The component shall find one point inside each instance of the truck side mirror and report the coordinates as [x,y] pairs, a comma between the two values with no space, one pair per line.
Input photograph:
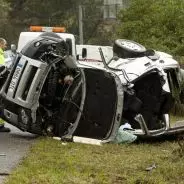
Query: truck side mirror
[13,48]
[84,52]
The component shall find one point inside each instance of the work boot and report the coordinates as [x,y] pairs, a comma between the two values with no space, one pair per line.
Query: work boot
[4,129]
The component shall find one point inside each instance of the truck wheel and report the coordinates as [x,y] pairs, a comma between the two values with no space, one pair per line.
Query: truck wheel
[128,49]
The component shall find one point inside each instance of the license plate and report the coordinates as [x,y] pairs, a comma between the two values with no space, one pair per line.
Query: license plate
[15,78]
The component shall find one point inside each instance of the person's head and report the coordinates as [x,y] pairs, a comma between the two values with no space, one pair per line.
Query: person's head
[3,43]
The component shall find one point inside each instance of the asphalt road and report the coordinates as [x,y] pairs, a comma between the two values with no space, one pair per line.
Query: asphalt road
[13,147]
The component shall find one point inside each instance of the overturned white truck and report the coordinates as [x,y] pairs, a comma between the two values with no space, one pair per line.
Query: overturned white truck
[48,92]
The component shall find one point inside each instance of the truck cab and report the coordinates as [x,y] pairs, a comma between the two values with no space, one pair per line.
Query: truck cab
[35,31]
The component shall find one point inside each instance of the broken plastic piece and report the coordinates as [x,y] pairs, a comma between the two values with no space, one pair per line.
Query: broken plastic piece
[124,137]
[151,167]
[87,140]
[125,126]
[57,138]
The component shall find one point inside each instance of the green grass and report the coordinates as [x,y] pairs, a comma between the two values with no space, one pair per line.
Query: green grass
[174,119]
[51,162]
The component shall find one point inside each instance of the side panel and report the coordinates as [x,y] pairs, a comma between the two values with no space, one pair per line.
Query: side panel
[100,115]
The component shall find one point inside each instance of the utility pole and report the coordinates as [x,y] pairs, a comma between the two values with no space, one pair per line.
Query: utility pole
[81,39]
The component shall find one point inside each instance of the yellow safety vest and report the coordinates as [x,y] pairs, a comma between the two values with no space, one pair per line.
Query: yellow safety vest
[2,62]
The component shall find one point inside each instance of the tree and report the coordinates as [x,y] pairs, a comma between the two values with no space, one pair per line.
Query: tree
[155,24]
[4,10]
[55,13]
[44,13]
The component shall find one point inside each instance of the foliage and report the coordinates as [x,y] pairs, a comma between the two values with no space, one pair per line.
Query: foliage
[4,9]
[156,24]
[104,35]
[55,13]
[37,12]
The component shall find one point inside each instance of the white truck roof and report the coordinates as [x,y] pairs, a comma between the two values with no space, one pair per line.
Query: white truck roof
[26,37]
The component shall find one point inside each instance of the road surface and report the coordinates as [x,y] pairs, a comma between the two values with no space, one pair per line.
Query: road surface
[13,147]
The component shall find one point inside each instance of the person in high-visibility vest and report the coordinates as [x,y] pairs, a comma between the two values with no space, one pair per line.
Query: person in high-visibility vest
[3,45]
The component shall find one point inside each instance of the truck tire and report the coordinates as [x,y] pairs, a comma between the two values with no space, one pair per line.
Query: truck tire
[128,49]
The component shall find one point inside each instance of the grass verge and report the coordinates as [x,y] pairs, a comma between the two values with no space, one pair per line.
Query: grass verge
[51,162]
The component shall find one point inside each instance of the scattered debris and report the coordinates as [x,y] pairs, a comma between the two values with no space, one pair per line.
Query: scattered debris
[124,134]
[64,143]
[125,126]
[151,167]
[87,140]
[78,139]
[57,138]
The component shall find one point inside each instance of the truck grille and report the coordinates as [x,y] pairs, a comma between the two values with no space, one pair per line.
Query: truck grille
[25,81]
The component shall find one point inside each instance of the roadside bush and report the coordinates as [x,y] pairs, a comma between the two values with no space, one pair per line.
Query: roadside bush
[155,24]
